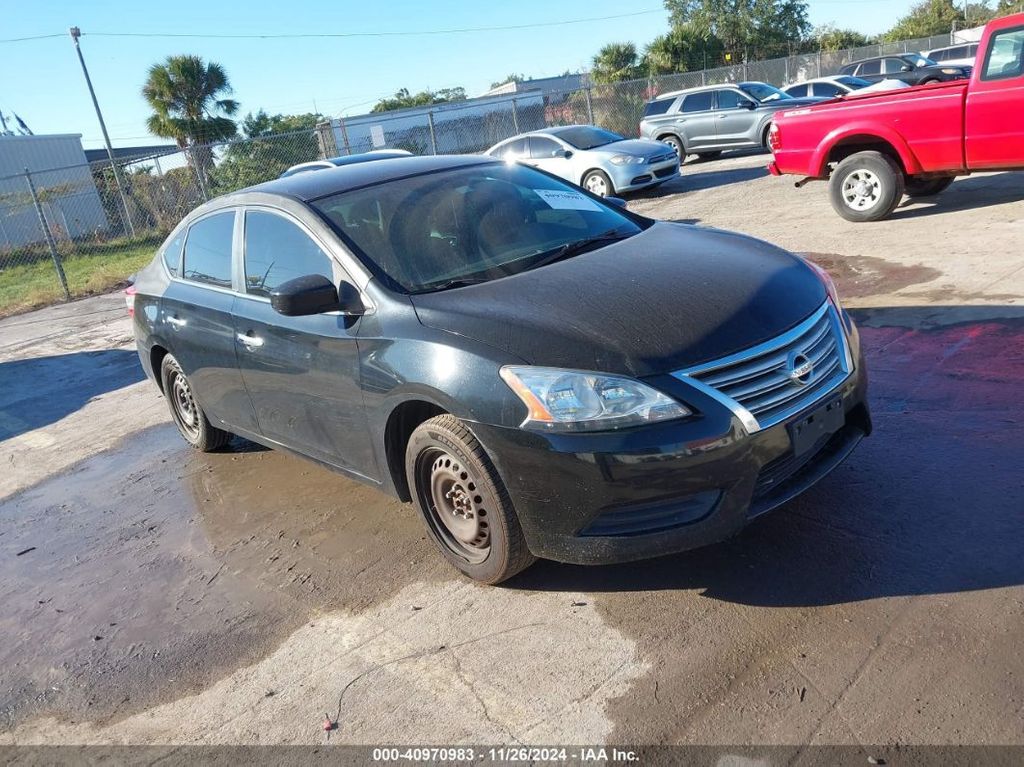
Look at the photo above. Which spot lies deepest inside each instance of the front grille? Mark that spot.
(662, 158)
(761, 384)
(666, 172)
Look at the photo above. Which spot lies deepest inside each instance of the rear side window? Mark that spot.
(797, 91)
(1005, 57)
(172, 253)
(697, 102)
(657, 107)
(276, 250)
(208, 250)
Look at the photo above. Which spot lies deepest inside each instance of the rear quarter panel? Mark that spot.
(924, 125)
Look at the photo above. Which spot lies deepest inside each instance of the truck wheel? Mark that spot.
(462, 499)
(927, 187)
(866, 186)
(186, 413)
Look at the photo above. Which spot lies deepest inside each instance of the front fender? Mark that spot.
(871, 133)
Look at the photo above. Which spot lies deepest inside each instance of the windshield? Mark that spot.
(920, 61)
(853, 82)
(475, 224)
(586, 137)
(764, 93)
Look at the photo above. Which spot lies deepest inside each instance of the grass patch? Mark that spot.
(91, 270)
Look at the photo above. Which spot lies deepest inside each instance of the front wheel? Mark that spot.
(186, 413)
(927, 187)
(597, 182)
(676, 144)
(866, 186)
(463, 501)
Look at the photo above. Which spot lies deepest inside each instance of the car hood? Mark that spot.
(637, 147)
(667, 298)
(803, 101)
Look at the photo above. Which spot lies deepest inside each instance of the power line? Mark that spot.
(33, 37)
(403, 33)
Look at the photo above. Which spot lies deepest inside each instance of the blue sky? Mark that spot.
(42, 81)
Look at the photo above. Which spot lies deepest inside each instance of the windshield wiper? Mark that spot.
(578, 246)
(457, 282)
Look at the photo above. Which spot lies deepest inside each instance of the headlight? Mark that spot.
(573, 400)
(952, 71)
(628, 159)
(830, 285)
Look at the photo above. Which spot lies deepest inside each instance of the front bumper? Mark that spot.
(630, 178)
(621, 496)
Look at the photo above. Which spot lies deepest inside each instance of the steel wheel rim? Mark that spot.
(455, 505)
(862, 189)
(183, 404)
(595, 185)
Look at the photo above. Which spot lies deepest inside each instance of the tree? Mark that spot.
(831, 39)
(273, 144)
(512, 78)
(936, 17)
(615, 62)
(754, 28)
(681, 49)
(403, 99)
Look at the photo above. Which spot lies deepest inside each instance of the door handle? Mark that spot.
(177, 322)
(253, 342)
(722, 117)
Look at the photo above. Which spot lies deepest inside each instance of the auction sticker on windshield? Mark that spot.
(567, 199)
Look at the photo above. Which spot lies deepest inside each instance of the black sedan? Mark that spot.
(911, 68)
(541, 372)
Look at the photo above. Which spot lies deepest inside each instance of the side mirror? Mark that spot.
(303, 296)
(567, 154)
(618, 202)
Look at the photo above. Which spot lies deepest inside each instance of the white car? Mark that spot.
(961, 55)
(840, 85)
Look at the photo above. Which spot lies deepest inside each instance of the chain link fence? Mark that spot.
(73, 229)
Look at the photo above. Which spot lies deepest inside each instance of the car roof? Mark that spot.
(310, 186)
(701, 88)
(879, 58)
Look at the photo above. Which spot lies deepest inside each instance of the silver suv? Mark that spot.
(704, 121)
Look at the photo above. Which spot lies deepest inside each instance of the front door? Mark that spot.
(547, 154)
(736, 119)
(993, 127)
(302, 373)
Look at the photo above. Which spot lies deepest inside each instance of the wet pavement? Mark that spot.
(885, 604)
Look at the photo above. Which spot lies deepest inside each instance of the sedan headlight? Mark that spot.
(952, 71)
(574, 400)
(628, 159)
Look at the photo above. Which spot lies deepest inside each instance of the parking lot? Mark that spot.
(151, 594)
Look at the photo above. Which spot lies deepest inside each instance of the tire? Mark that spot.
(931, 80)
(597, 182)
(710, 155)
(463, 501)
(927, 187)
(866, 186)
(676, 143)
(765, 135)
(188, 416)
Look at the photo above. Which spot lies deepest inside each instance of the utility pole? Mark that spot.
(118, 181)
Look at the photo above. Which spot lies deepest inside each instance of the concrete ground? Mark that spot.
(154, 595)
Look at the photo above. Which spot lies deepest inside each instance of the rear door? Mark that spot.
(195, 319)
(696, 121)
(547, 154)
(993, 128)
(302, 373)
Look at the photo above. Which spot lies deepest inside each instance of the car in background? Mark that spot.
(840, 85)
(602, 162)
(350, 159)
(540, 372)
(911, 68)
(705, 121)
(962, 55)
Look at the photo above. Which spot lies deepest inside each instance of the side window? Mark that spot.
(276, 250)
(870, 68)
(829, 90)
(849, 69)
(544, 148)
(729, 99)
(208, 250)
(1005, 57)
(940, 56)
(797, 91)
(972, 50)
(515, 148)
(697, 102)
(172, 253)
(657, 107)
(893, 66)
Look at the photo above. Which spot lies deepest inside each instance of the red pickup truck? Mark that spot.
(876, 147)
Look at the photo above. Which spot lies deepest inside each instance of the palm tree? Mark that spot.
(186, 95)
(616, 61)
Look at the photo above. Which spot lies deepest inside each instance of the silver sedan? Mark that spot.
(602, 162)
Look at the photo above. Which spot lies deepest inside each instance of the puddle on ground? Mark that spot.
(152, 570)
(858, 276)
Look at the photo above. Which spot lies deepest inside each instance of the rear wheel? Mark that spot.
(463, 501)
(597, 182)
(926, 187)
(866, 186)
(186, 413)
